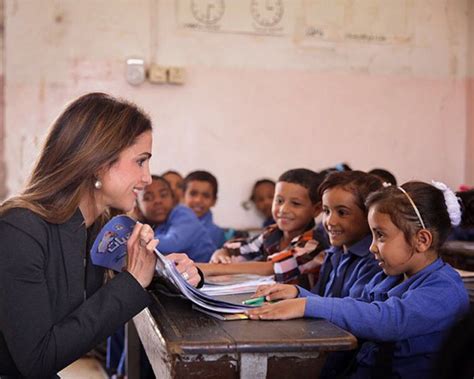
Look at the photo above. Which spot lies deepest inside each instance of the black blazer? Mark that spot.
(53, 305)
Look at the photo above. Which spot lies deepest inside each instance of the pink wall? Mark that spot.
(252, 106)
(470, 132)
(243, 124)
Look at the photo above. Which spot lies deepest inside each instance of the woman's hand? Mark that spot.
(274, 292)
(186, 268)
(141, 258)
(221, 256)
(283, 310)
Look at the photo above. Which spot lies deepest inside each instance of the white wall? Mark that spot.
(253, 105)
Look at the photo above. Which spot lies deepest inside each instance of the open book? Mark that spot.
(110, 251)
(234, 284)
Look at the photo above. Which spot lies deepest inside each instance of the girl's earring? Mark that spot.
(98, 184)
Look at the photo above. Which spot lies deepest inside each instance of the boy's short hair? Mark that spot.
(202, 176)
(359, 183)
(306, 178)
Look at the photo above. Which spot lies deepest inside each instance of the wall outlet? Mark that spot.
(157, 74)
(176, 75)
(135, 71)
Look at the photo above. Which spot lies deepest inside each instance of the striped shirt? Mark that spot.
(289, 263)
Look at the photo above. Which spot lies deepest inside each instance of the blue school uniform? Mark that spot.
(414, 315)
(217, 234)
(346, 273)
(183, 233)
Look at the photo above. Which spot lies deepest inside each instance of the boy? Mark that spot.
(176, 226)
(286, 248)
(200, 194)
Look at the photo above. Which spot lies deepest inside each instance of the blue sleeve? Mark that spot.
(302, 292)
(420, 311)
(217, 235)
(366, 270)
(178, 236)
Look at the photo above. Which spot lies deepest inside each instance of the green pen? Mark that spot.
(254, 301)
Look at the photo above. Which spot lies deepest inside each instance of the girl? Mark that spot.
(404, 312)
(175, 179)
(262, 196)
(348, 265)
(176, 226)
(53, 307)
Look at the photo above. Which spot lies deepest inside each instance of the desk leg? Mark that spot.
(253, 366)
(133, 351)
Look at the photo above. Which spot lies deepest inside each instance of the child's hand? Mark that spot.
(186, 268)
(221, 256)
(277, 292)
(283, 310)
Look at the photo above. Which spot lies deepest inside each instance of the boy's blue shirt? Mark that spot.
(415, 314)
(217, 234)
(182, 232)
(347, 273)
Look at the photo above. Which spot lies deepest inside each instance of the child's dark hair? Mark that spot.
(172, 172)
(385, 175)
(202, 176)
(163, 180)
(359, 183)
(431, 206)
(306, 178)
(467, 204)
(259, 183)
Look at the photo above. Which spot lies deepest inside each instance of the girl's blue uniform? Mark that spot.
(414, 314)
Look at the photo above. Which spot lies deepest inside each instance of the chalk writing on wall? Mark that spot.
(366, 21)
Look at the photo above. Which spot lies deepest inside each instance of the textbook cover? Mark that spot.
(110, 251)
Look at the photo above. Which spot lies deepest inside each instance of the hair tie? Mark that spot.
(415, 208)
(451, 201)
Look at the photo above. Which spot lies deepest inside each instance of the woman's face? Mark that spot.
(124, 179)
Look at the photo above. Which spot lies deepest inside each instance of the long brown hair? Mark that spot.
(88, 136)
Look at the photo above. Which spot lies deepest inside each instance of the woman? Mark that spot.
(53, 305)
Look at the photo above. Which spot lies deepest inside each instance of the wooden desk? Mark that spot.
(184, 343)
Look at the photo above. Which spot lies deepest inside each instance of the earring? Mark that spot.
(98, 184)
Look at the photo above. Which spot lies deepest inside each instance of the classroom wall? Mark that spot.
(256, 101)
(470, 99)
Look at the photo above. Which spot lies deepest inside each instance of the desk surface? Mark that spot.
(192, 332)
